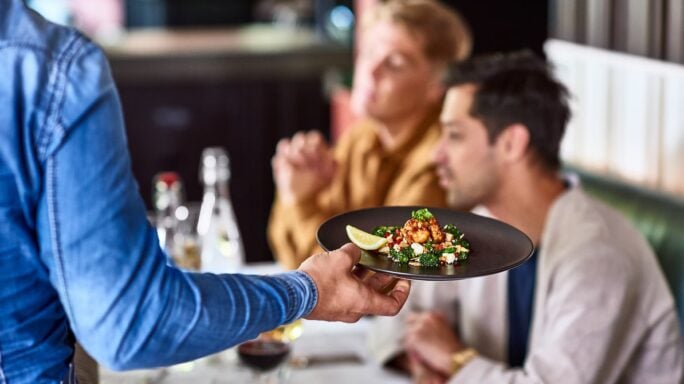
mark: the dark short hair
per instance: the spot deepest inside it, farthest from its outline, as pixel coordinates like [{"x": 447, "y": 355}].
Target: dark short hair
[{"x": 517, "y": 88}]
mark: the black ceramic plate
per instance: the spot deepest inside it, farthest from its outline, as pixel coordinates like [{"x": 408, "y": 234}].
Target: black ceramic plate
[{"x": 495, "y": 246}]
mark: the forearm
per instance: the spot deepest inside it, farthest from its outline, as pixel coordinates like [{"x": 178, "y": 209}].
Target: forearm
[
  {"x": 187, "y": 316},
  {"x": 126, "y": 306},
  {"x": 131, "y": 310}
]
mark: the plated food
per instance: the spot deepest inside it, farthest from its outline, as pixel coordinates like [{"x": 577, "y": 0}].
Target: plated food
[
  {"x": 493, "y": 246},
  {"x": 420, "y": 242}
]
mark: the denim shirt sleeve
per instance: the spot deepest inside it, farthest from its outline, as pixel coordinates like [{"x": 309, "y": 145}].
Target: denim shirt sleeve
[{"x": 125, "y": 304}]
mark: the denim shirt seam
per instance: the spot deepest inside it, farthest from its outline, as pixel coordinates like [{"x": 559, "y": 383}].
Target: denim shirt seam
[
  {"x": 3, "y": 380},
  {"x": 57, "y": 83},
  {"x": 292, "y": 297},
  {"x": 310, "y": 304},
  {"x": 51, "y": 193},
  {"x": 26, "y": 45}
]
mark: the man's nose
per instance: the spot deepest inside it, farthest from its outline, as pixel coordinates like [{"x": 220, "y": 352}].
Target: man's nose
[
  {"x": 437, "y": 154},
  {"x": 375, "y": 69}
]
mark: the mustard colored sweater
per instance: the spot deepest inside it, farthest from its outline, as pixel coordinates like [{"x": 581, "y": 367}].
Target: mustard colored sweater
[{"x": 367, "y": 176}]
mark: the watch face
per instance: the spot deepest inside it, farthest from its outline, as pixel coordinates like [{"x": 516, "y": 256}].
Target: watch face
[{"x": 461, "y": 358}]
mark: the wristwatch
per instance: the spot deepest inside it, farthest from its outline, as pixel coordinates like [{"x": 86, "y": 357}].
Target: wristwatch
[{"x": 461, "y": 358}]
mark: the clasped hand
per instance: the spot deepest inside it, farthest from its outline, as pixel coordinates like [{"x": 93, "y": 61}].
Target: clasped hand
[
  {"x": 302, "y": 166},
  {"x": 430, "y": 342}
]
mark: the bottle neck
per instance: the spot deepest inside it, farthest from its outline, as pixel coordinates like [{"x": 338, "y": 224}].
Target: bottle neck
[
  {"x": 219, "y": 190},
  {"x": 166, "y": 212}
]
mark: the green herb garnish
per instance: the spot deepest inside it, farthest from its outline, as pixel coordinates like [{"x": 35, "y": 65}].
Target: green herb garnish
[
  {"x": 422, "y": 215},
  {"x": 383, "y": 230},
  {"x": 450, "y": 228}
]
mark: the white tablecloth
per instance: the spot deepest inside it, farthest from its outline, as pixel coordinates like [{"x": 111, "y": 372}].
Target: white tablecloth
[{"x": 324, "y": 340}]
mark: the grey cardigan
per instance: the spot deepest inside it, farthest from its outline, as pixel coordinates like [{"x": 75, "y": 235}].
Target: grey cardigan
[{"x": 602, "y": 314}]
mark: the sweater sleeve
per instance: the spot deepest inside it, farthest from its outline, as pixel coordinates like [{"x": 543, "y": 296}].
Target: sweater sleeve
[
  {"x": 292, "y": 228},
  {"x": 292, "y": 232},
  {"x": 589, "y": 337}
]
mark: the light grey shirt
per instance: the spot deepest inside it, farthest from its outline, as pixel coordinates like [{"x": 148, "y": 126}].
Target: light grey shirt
[{"x": 602, "y": 312}]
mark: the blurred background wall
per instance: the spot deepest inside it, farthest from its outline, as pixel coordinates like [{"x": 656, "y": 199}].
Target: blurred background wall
[
  {"x": 622, "y": 61},
  {"x": 649, "y": 28}
]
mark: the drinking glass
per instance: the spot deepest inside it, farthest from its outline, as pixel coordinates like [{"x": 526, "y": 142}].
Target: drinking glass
[
  {"x": 266, "y": 354},
  {"x": 187, "y": 251}
]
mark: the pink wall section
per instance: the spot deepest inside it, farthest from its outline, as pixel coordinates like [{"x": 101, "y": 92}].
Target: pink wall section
[
  {"x": 341, "y": 115},
  {"x": 98, "y": 18}
]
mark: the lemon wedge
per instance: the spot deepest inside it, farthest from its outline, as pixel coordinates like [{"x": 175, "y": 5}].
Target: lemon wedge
[{"x": 365, "y": 240}]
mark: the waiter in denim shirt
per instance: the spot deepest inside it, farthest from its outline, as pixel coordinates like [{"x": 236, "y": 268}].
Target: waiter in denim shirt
[{"x": 77, "y": 256}]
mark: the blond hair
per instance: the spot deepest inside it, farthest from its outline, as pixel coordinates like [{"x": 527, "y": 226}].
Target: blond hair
[{"x": 444, "y": 34}]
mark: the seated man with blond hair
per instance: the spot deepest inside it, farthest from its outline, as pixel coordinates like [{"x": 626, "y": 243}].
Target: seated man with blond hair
[{"x": 385, "y": 158}]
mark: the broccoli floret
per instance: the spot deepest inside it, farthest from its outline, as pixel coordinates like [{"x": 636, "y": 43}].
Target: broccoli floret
[
  {"x": 394, "y": 254},
  {"x": 450, "y": 228},
  {"x": 402, "y": 256},
  {"x": 429, "y": 247},
  {"x": 429, "y": 259},
  {"x": 422, "y": 214}
]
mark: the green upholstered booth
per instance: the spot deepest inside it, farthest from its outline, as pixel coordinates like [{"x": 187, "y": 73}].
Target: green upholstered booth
[{"x": 659, "y": 217}]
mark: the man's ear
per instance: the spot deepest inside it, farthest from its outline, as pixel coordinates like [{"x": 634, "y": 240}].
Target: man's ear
[{"x": 512, "y": 142}]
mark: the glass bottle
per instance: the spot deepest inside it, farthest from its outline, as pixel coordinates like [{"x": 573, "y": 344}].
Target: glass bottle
[
  {"x": 222, "y": 249},
  {"x": 167, "y": 197},
  {"x": 171, "y": 221}
]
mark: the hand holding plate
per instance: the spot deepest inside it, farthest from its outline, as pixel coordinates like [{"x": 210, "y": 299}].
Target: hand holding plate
[{"x": 342, "y": 296}]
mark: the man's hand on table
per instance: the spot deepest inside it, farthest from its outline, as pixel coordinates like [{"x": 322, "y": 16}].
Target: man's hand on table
[
  {"x": 421, "y": 373},
  {"x": 343, "y": 296},
  {"x": 429, "y": 337}
]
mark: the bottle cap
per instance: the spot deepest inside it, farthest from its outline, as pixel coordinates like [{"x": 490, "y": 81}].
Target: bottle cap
[
  {"x": 215, "y": 166},
  {"x": 168, "y": 190}
]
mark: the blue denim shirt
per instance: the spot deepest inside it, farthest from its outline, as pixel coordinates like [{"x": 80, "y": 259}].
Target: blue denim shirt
[{"x": 76, "y": 252}]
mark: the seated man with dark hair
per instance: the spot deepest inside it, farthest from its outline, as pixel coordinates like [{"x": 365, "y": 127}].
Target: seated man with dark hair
[{"x": 590, "y": 306}]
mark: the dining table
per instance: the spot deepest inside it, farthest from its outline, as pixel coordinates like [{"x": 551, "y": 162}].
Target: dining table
[{"x": 326, "y": 352}]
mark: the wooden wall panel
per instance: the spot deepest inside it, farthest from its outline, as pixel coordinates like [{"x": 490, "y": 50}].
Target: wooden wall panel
[
  {"x": 674, "y": 31},
  {"x": 628, "y": 115},
  {"x": 650, "y": 28},
  {"x": 672, "y": 160}
]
